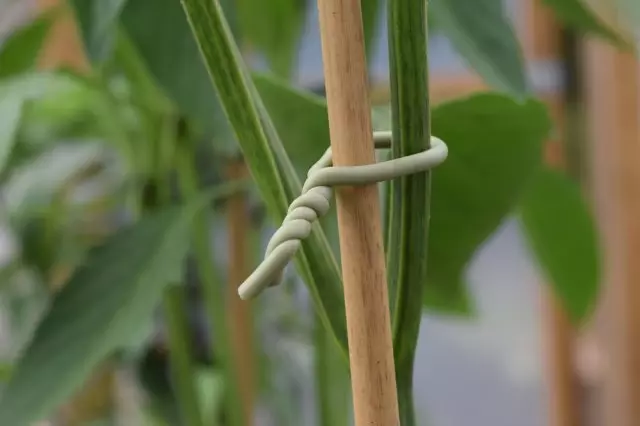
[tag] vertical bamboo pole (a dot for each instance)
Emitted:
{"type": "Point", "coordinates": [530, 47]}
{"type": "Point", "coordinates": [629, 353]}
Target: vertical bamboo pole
{"type": "Point", "coordinates": [359, 220]}
{"type": "Point", "coordinates": [543, 48]}
{"type": "Point", "coordinates": [613, 105]}
{"type": "Point", "coordinates": [239, 311]}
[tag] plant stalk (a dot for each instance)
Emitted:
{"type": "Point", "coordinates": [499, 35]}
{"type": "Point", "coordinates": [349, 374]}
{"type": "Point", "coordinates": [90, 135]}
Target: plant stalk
{"type": "Point", "coordinates": [213, 290]}
{"type": "Point", "coordinates": [182, 369]}
{"type": "Point", "coordinates": [409, 198]}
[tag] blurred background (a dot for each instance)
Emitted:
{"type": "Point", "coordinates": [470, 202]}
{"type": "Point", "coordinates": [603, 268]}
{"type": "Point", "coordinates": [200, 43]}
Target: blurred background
{"type": "Point", "coordinates": [517, 362]}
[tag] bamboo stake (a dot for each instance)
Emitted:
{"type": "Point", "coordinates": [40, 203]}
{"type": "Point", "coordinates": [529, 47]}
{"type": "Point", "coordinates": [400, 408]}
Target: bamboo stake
{"type": "Point", "coordinates": [239, 311]}
{"type": "Point", "coordinates": [614, 109]}
{"type": "Point", "coordinates": [363, 263]}
{"type": "Point", "coordinates": [542, 45]}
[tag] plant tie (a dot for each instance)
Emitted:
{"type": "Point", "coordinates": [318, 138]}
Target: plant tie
{"type": "Point", "coordinates": [315, 202]}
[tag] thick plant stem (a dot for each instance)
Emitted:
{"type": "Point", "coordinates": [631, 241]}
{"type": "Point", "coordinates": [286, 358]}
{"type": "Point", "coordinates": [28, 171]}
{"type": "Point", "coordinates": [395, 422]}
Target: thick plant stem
{"type": "Point", "coordinates": [214, 295]}
{"type": "Point", "coordinates": [239, 311]}
{"type": "Point", "coordinates": [405, 402]}
{"type": "Point", "coordinates": [180, 355]}
{"type": "Point", "coordinates": [409, 200]}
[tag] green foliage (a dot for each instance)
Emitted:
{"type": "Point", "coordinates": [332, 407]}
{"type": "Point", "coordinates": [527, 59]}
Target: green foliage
{"type": "Point", "coordinates": [110, 295]}
{"type": "Point", "coordinates": [579, 15]}
{"type": "Point", "coordinates": [274, 28]}
{"type": "Point", "coordinates": [98, 22]}
{"type": "Point", "coordinates": [265, 156]}
{"type": "Point", "coordinates": [494, 149]}
{"type": "Point", "coordinates": [10, 114]}
{"type": "Point", "coordinates": [20, 51]}
{"type": "Point", "coordinates": [483, 35]}
{"type": "Point", "coordinates": [562, 235]}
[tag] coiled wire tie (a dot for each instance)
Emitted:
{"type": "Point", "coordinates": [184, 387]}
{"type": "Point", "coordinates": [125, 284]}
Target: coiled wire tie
{"type": "Point", "coordinates": [315, 203]}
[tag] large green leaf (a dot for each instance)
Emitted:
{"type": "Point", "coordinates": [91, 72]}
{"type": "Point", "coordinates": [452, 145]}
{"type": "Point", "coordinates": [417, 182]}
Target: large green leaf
{"type": "Point", "coordinates": [562, 235]}
{"type": "Point", "coordinates": [160, 33]}
{"type": "Point", "coordinates": [579, 15]}
{"type": "Point", "coordinates": [273, 27]}
{"type": "Point", "coordinates": [266, 157]}
{"type": "Point", "coordinates": [111, 294]}
{"type": "Point", "coordinates": [20, 51]}
{"type": "Point", "coordinates": [307, 136]}
{"type": "Point", "coordinates": [494, 149]}
{"type": "Point", "coordinates": [98, 23]}
{"type": "Point", "coordinates": [483, 35]}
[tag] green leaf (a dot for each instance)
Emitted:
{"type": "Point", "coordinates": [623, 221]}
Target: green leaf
{"type": "Point", "coordinates": [307, 136]}
{"type": "Point", "coordinates": [579, 15]}
{"type": "Point", "coordinates": [20, 51]}
{"type": "Point", "coordinates": [562, 234]}
{"type": "Point", "coordinates": [98, 23]}
{"type": "Point", "coordinates": [494, 149]}
{"type": "Point", "coordinates": [273, 27]}
{"type": "Point", "coordinates": [481, 32]}
{"type": "Point", "coordinates": [100, 307]}
{"type": "Point", "coordinates": [10, 115]}
{"type": "Point", "coordinates": [160, 33]}
{"type": "Point", "coordinates": [265, 156]}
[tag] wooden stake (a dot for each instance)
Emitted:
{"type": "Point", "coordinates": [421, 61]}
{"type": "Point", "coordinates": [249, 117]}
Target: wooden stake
{"type": "Point", "coordinates": [614, 121]}
{"type": "Point", "coordinates": [239, 311]}
{"type": "Point", "coordinates": [363, 262]}
{"type": "Point", "coordinates": [542, 44]}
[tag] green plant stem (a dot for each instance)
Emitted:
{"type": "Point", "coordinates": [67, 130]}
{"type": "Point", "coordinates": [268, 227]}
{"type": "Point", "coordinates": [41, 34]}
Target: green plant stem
{"type": "Point", "coordinates": [213, 290]}
{"type": "Point", "coordinates": [409, 197]}
{"type": "Point", "coordinates": [182, 369]}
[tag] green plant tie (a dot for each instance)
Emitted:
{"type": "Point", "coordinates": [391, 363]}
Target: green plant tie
{"type": "Point", "coordinates": [315, 202]}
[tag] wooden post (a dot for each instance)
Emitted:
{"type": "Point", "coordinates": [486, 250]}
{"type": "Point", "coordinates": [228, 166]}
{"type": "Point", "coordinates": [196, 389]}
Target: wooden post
{"type": "Point", "coordinates": [363, 262]}
{"type": "Point", "coordinates": [542, 45]}
{"type": "Point", "coordinates": [613, 104]}
{"type": "Point", "coordinates": [239, 311]}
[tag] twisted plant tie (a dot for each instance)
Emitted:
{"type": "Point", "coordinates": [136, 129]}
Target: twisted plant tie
{"type": "Point", "coordinates": [315, 202]}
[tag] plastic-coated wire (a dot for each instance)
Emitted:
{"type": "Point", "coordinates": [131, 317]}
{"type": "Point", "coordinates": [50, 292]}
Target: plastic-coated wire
{"type": "Point", "coordinates": [315, 202]}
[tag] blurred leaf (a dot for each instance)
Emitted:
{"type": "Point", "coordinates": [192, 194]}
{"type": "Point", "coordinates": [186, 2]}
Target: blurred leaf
{"type": "Point", "coordinates": [20, 51]}
{"type": "Point", "coordinates": [33, 185]}
{"type": "Point", "coordinates": [494, 150]}
{"type": "Point", "coordinates": [483, 35]}
{"type": "Point", "coordinates": [273, 27]}
{"type": "Point", "coordinates": [6, 370]}
{"type": "Point", "coordinates": [562, 234]}
{"type": "Point", "coordinates": [266, 157]}
{"type": "Point", "coordinates": [10, 115]}
{"type": "Point", "coordinates": [95, 312]}
{"type": "Point", "coordinates": [307, 136]}
{"type": "Point", "coordinates": [159, 31]}
{"type": "Point", "coordinates": [98, 22]}
{"type": "Point", "coordinates": [210, 391]}
{"type": "Point", "coordinates": [579, 15]}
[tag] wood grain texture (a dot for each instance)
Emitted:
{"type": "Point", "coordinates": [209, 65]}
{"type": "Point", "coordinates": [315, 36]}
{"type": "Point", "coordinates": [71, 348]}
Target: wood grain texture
{"type": "Point", "coordinates": [613, 106]}
{"type": "Point", "coordinates": [359, 219]}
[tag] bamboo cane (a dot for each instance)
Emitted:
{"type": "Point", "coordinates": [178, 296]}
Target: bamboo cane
{"type": "Point", "coordinates": [359, 220]}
